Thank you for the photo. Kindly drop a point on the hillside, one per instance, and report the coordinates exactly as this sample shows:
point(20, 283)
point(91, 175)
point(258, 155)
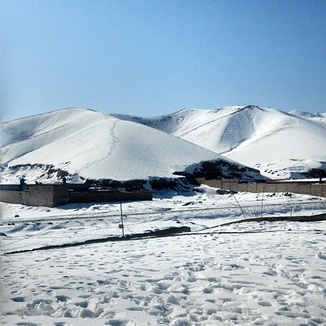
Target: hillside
point(279, 144)
point(84, 144)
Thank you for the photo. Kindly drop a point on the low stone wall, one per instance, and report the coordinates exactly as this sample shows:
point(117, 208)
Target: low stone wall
point(313, 189)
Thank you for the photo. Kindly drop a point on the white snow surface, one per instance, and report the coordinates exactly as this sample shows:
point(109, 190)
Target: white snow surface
point(93, 145)
point(278, 144)
point(251, 273)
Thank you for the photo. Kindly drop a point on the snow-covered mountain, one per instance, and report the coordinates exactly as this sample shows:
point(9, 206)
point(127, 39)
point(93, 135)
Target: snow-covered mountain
point(83, 144)
point(319, 117)
point(279, 144)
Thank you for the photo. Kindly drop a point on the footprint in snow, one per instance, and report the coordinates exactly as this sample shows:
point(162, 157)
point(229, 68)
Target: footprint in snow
point(321, 256)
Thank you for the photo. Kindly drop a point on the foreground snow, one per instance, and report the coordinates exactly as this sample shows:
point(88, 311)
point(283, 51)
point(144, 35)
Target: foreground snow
point(250, 273)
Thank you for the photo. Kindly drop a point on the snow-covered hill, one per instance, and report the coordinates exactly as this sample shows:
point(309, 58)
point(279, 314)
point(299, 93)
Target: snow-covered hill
point(279, 144)
point(89, 145)
point(319, 117)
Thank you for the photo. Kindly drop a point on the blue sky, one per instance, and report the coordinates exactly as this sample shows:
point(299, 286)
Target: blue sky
point(154, 57)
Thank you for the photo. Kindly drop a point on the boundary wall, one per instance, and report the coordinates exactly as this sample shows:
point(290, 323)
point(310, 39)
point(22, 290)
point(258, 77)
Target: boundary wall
point(56, 195)
point(313, 189)
point(35, 195)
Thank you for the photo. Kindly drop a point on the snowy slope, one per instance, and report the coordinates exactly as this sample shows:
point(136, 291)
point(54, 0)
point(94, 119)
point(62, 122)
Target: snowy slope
point(319, 117)
point(279, 144)
point(92, 145)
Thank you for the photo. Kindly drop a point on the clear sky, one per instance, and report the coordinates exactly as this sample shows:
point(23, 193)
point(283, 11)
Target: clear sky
point(154, 57)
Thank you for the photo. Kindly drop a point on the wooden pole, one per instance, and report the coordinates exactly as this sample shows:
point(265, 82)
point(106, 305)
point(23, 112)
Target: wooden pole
point(122, 226)
point(262, 202)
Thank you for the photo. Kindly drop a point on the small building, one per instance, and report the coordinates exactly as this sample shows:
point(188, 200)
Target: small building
point(52, 195)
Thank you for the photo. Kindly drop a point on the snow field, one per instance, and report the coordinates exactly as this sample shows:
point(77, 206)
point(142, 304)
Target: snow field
point(247, 274)
point(266, 278)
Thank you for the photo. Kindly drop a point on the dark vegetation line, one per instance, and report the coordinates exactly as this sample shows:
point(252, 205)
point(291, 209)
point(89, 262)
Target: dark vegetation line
point(183, 230)
point(136, 236)
point(311, 218)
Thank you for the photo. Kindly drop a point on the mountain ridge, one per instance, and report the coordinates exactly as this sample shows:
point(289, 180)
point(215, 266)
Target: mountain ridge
point(85, 144)
point(88, 144)
point(279, 144)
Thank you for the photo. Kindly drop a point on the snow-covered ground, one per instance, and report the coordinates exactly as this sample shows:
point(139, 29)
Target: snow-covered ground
point(252, 273)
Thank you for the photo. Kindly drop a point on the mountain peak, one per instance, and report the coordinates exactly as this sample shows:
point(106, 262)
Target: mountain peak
point(252, 107)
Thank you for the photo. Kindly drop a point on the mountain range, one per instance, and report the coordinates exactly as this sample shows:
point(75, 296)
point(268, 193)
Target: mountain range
point(278, 144)
point(83, 144)
point(232, 142)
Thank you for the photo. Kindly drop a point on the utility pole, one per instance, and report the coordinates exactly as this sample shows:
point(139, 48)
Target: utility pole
point(121, 226)
point(262, 202)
